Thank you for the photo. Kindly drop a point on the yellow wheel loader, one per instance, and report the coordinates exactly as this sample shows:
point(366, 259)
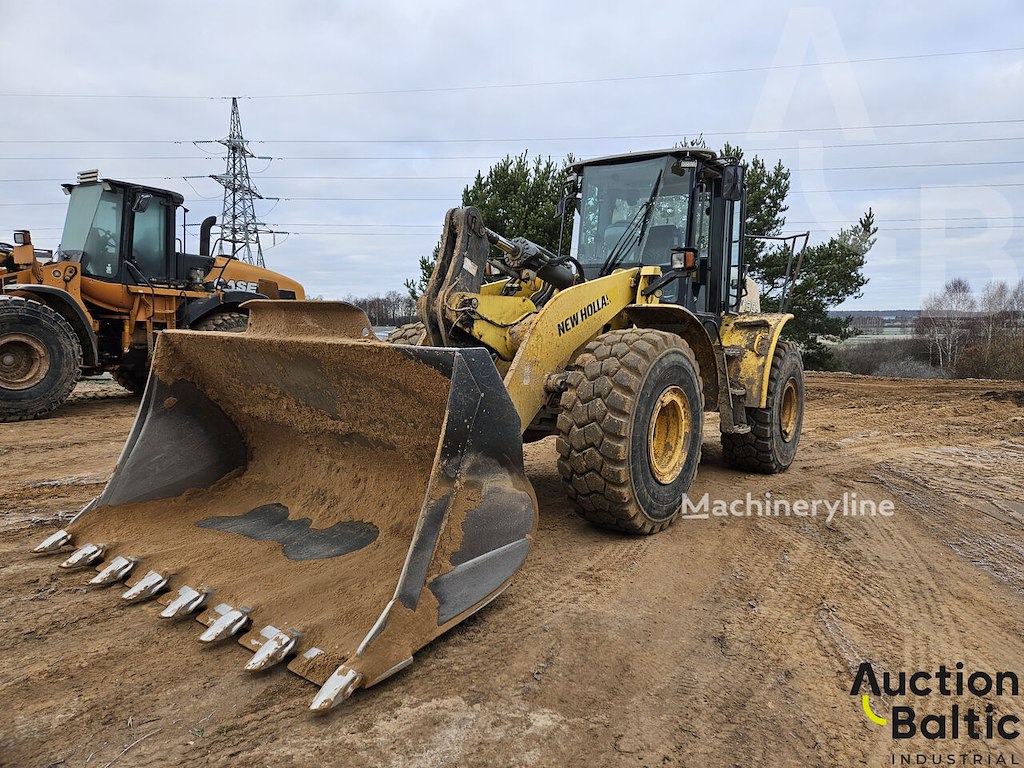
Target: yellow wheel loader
point(337, 502)
point(116, 281)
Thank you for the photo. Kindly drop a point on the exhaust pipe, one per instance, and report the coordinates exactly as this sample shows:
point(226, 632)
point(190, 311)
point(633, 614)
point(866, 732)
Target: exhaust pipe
point(204, 235)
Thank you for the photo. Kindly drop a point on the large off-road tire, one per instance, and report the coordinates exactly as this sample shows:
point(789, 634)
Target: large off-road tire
point(134, 379)
point(770, 445)
point(229, 322)
point(630, 429)
point(413, 334)
point(40, 359)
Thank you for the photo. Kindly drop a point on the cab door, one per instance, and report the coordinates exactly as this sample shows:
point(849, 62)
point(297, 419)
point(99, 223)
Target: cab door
point(152, 250)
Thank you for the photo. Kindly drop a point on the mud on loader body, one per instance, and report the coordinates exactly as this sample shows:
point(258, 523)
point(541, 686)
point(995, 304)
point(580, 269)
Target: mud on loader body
point(338, 502)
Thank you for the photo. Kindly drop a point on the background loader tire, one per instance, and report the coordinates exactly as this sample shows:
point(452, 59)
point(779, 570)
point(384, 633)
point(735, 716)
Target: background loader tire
point(770, 445)
point(630, 429)
point(413, 334)
point(40, 359)
point(134, 379)
point(230, 322)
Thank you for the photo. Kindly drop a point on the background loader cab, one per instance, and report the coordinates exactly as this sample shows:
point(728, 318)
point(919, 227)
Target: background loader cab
point(125, 233)
point(682, 211)
point(117, 279)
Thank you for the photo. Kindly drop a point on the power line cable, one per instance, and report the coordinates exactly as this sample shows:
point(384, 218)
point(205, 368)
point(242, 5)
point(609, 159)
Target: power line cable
point(449, 199)
point(677, 134)
point(535, 84)
point(416, 177)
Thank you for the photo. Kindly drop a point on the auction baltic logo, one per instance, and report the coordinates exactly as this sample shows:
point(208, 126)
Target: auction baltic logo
point(961, 720)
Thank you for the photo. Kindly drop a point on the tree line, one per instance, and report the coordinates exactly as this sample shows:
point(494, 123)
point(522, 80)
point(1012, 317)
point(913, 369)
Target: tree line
point(972, 334)
point(391, 308)
point(959, 333)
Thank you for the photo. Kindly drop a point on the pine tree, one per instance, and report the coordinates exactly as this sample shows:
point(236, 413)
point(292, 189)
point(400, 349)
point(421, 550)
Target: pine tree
point(517, 198)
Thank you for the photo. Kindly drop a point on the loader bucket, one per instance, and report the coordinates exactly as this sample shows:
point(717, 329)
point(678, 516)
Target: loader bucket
point(336, 501)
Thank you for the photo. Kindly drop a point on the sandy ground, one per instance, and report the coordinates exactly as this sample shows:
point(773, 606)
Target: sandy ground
point(728, 641)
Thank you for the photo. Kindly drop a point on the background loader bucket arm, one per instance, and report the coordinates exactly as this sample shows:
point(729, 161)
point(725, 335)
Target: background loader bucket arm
point(335, 501)
point(460, 267)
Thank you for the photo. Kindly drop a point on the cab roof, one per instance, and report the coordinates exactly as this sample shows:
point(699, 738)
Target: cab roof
point(707, 156)
point(175, 197)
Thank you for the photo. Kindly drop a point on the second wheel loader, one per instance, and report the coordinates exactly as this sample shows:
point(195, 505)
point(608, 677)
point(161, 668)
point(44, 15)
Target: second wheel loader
point(116, 281)
point(337, 502)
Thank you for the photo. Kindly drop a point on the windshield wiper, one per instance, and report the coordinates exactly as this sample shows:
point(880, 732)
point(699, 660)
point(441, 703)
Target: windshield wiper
point(633, 233)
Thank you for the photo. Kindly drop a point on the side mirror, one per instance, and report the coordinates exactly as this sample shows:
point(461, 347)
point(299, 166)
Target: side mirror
point(732, 183)
point(567, 201)
point(141, 202)
point(570, 195)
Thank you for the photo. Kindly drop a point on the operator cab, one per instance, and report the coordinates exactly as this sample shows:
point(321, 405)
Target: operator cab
point(124, 233)
point(678, 209)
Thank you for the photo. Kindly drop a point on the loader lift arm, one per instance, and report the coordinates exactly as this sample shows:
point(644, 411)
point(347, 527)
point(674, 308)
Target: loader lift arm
point(530, 320)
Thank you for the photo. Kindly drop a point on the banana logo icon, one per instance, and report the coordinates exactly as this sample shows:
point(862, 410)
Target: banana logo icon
point(866, 704)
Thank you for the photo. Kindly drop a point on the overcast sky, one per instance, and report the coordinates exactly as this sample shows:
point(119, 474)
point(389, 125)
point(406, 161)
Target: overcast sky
point(414, 97)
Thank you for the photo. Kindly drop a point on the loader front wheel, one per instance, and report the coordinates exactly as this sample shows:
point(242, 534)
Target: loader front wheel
point(132, 379)
point(770, 445)
point(630, 429)
point(227, 322)
point(413, 334)
point(40, 359)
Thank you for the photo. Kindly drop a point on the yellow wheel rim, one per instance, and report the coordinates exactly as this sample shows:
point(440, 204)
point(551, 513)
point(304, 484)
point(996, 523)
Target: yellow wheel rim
point(789, 413)
point(668, 440)
point(23, 361)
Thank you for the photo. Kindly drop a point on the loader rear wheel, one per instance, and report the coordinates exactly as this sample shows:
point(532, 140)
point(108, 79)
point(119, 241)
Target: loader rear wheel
point(770, 445)
point(40, 359)
point(229, 322)
point(412, 334)
point(630, 429)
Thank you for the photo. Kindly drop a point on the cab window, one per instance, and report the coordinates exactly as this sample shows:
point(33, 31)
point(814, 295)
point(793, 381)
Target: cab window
point(93, 230)
point(149, 240)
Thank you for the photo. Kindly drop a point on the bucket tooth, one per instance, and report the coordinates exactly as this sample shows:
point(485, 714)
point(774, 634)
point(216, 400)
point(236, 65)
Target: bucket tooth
point(342, 684)
point(146, 587)
point(116, 570)
point(87, 554)
point(53, 542)
point(275, 649)
point(228, 622)
point(187, 601)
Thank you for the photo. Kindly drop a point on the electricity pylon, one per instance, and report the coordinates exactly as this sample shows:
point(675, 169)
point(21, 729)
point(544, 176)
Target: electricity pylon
point(239, 228)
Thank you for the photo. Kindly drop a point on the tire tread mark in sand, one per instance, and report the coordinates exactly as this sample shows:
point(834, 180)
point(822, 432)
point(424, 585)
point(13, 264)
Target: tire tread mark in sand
point(991, 543)
point(772, 582)
point(919, 600)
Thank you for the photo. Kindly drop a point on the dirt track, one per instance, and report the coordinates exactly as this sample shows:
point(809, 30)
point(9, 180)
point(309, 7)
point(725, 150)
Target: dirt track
point(719, 642)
